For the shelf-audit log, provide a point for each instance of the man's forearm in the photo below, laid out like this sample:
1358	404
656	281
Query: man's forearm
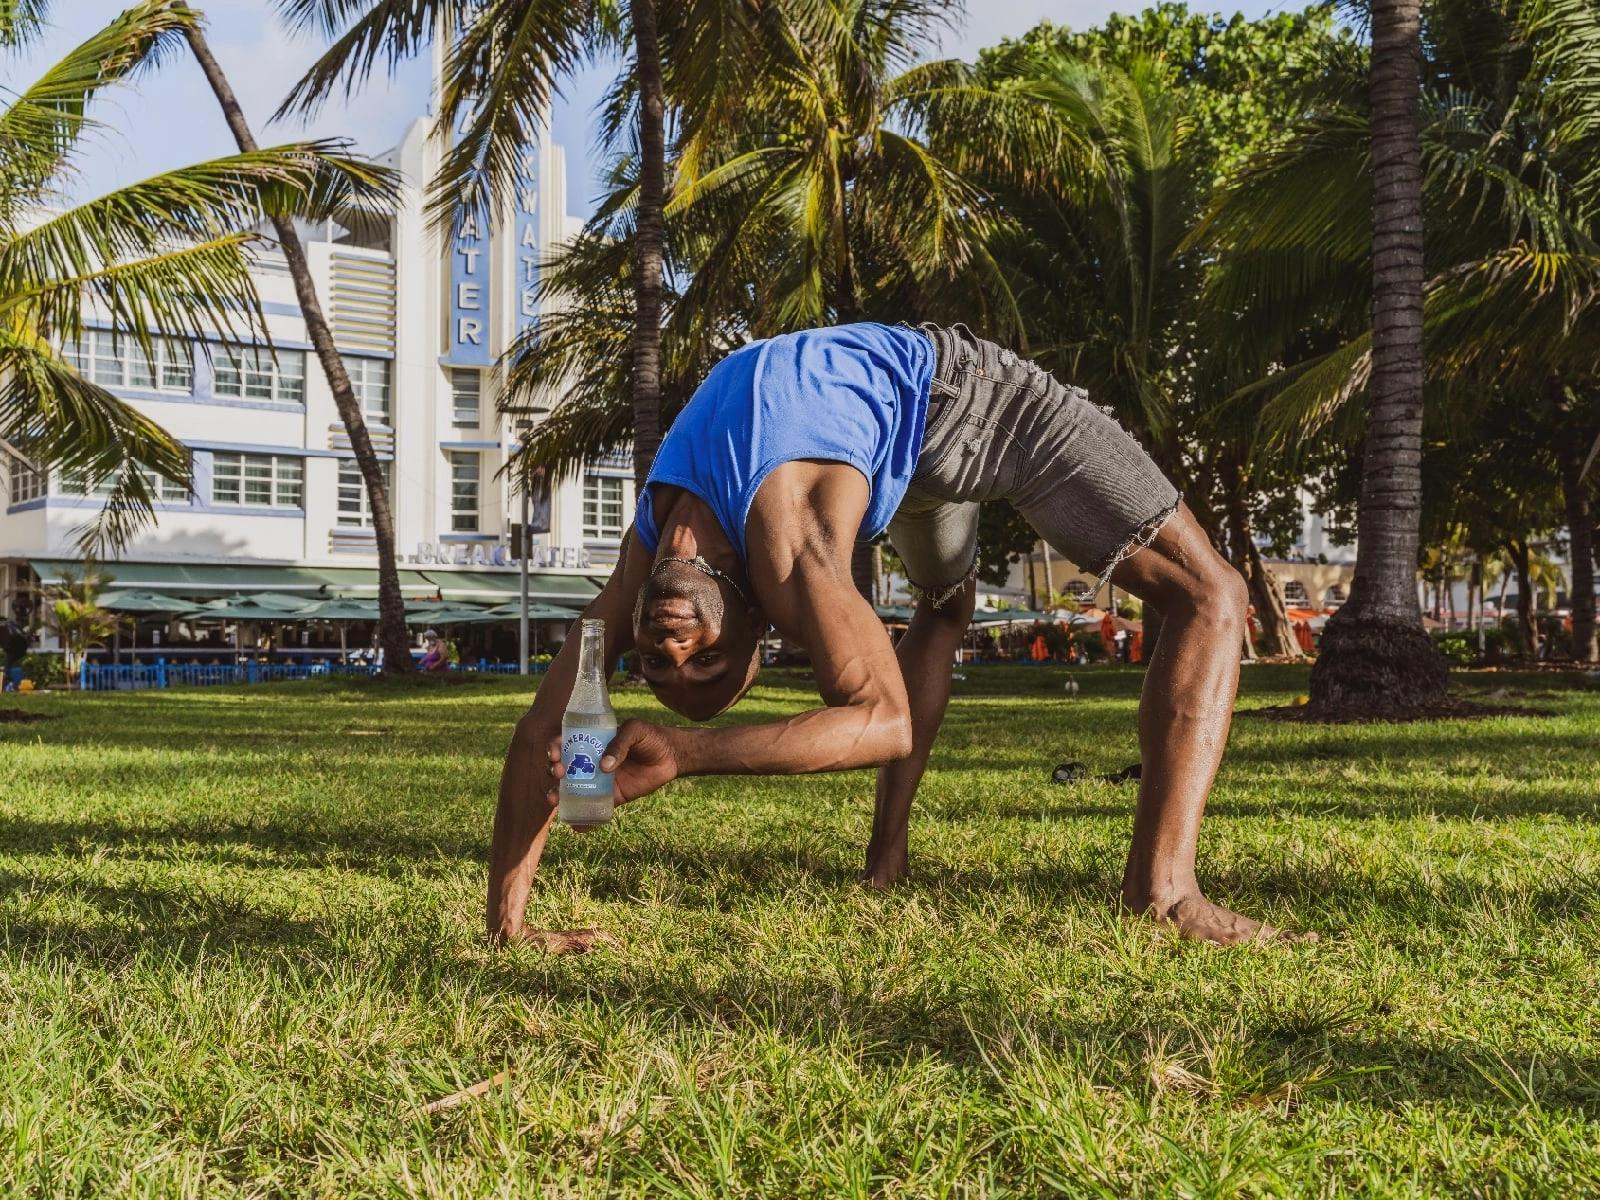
522	817
826	739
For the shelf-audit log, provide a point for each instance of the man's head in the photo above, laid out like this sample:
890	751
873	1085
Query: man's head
699	642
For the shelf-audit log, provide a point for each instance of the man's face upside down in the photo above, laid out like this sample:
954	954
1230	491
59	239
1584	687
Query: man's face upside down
699	646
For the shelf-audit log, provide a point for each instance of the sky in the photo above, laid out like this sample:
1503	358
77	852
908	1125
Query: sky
168	118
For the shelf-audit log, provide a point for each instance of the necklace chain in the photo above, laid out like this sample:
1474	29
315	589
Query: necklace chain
701	565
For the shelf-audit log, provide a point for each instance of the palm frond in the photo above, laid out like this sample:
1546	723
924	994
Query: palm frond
55	416
499	76
21	21
41	126
366	33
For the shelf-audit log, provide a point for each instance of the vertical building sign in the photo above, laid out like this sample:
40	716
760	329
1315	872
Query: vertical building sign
467	340
526	228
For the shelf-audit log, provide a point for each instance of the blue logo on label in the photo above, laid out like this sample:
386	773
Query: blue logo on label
581	767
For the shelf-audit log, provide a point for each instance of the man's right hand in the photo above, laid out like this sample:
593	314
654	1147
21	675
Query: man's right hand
641	758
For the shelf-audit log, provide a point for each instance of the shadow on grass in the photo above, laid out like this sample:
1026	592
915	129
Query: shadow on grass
1322	1052
374	848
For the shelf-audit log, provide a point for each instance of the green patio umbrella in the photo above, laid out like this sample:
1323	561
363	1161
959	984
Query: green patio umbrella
341	613
445	614
339	610
279	602
1010	616
536	612
235	612
146	604
137	603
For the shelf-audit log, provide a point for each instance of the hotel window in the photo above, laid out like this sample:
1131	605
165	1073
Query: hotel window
463	492
602	506
355	508
120	362
466	397
253	373
27	483
258	480
73	483
369	379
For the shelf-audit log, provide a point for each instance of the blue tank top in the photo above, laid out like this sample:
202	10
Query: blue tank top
854	394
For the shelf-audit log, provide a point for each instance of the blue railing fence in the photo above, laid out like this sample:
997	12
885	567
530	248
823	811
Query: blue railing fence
120	677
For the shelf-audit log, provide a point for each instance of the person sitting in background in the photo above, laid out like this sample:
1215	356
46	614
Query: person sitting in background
435	656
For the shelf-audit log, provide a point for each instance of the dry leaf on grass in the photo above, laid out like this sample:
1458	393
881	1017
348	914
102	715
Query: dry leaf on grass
569	941
466	1093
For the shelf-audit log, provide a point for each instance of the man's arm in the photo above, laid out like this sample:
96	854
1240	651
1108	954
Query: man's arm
522	819
800	541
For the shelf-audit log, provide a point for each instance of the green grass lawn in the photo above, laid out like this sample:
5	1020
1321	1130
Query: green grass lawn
240	948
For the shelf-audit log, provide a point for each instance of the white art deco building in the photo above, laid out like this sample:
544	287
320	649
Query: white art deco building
278	503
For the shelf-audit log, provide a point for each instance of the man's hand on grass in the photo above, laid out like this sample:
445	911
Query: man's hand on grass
640	759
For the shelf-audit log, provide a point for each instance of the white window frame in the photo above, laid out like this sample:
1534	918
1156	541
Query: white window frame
465	380
283	474
25	482
165	491
596	501
466	483
255	373
113	361
354	505
371	381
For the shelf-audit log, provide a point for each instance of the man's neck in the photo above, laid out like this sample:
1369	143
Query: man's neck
689	528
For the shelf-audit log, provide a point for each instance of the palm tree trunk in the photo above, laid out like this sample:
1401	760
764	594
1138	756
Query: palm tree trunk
1277	635
846	304
649	240
1375	652
1522	563
1571	447
392	636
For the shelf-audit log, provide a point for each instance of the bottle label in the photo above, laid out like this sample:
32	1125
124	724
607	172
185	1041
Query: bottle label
581	750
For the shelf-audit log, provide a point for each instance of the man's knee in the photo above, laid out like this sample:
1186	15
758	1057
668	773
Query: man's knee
949	612
1205	588
1216	595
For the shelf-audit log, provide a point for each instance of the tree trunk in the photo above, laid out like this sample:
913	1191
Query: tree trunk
1570	450
1375	653
846	304
649	240
1522	563
392	636
1277	634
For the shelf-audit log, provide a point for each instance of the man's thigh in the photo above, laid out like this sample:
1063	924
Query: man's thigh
937	541
1013	431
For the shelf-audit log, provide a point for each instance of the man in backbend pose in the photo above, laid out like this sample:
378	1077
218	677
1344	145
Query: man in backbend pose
791	450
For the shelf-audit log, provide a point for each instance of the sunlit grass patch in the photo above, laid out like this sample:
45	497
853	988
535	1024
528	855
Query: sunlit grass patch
240	950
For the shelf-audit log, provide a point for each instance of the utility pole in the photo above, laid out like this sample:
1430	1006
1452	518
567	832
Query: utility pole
522	581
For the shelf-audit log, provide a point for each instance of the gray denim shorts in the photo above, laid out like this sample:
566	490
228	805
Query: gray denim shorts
1001	428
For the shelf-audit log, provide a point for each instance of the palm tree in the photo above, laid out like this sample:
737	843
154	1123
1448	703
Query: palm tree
503	63
828	176
168	257
1504	174
810	198
649	240
393	637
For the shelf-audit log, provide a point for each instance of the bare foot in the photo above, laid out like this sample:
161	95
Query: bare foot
1193	916
564	941
884	871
